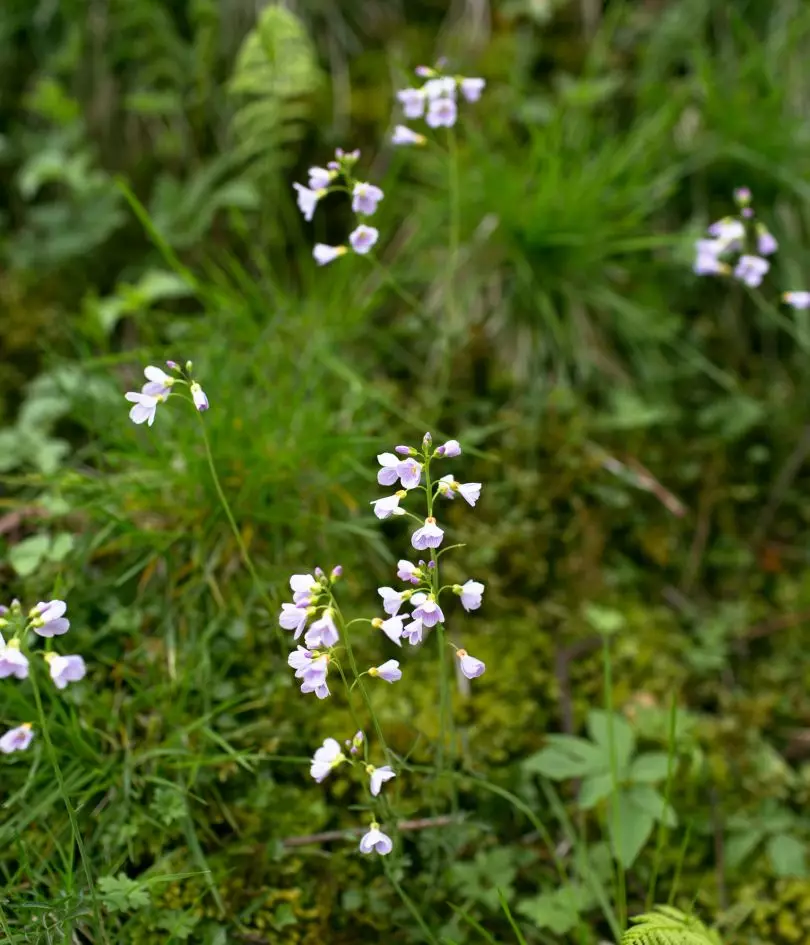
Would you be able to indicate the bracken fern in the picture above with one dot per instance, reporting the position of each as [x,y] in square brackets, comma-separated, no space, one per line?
[666,925]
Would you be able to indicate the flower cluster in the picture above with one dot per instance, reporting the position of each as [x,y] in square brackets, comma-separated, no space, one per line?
[411,613]
[47,619]
[338,176]
[158,389]
[435,101]
[737,245]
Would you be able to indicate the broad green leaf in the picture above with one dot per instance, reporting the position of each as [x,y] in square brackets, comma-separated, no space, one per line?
[594,789]
[155,285]
[61,546]
[740,845]
[566,757]
[787,854]
[630,828]
[647,799]
[26,556]
[558,911]
[624,741]
[603,619]
[649,768]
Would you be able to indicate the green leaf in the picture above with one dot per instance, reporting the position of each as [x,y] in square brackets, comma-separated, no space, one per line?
[61,546]
[787,854]
[624,741]
[630,828]
[559,911]
[566,757]
[156,285]
[666,925]
[603,619]
[122,894]
[647,799]
[649,768]
[26,556]
[740,846]
[594,789]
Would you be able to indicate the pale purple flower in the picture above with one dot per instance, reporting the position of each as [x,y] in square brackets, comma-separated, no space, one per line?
[742,195]
[307,200]
[766,241]
[392,600]
[375,841]
[751,269]
[388,505]
[47,618]
[18,739]
[388,475]
[405,450]
[327,757]
[406,571]
[303,587]
[365,198]
[413,632]
[472,88]
[378,777]
[412,101]
[707,260]
[404,135]
[729,232]
[198,396]
[428,536]
[145,406]
[159,382]
[300,660]
[324,254]
[66,669]
[470,593]
[449,450]
[389,671]
[323,631]
[798,300]
[363,238]
[12,661]
[424,72]
[470,666]
[409,472]
[443,87]
[445,486]
[469,491]
[311,668]
[320,178]
[293,617]
[392,628]
[441,113]
[427,610]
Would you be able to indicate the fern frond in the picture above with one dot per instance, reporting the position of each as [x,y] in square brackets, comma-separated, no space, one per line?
[275,76]
[669,926]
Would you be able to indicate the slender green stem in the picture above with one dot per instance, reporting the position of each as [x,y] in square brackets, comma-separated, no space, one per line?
[614,776]
[407,297]
[662,827]
[74,823]
[410,905]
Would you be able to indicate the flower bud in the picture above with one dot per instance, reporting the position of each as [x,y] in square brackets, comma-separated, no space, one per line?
[189,367]
[172,365]
[337,573]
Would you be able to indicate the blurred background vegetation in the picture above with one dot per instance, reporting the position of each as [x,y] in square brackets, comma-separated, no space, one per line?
[641,432]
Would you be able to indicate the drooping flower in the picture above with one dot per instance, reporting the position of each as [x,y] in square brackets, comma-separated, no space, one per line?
[145,406]
[293,617]
[388,505]
[363,238]
[392,600]
[311,668]
[413,632]
[198,396]
[766,241]
[320,178]
[307,200]
[406,571]
[65,669]
[392,628]
[798,300]
[323,631]
[365,198]
[449,450]
[324,254]
[325,759]
[389,671]
[469,491]
[470,666]
[47,618]
[159,382]
[378,776]
[412,101]
[428,536]
[751,270]
[427,610]
[409,472]
[13,662]
[18,739]
[443,87]
[471,88]
[403,135]
[375,841]
[441,113]
[470,593]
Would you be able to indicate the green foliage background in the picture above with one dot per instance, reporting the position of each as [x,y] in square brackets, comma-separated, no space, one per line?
[606,141]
